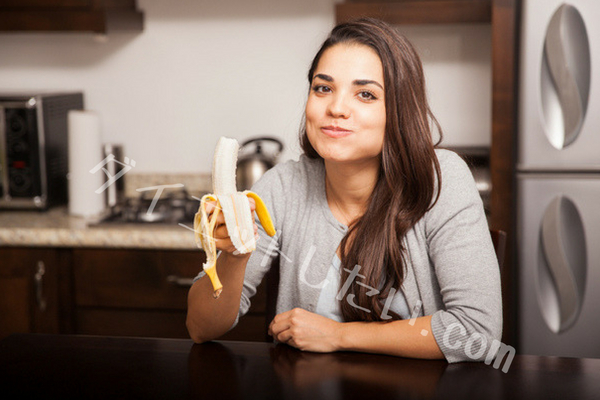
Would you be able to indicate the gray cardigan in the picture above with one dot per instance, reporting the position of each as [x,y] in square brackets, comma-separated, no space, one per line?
[452,270]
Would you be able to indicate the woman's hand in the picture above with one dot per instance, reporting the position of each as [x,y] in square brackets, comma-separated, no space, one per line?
[306,331]
[222,240]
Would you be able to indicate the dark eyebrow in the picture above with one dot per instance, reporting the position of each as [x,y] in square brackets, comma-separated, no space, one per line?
[324,77]
[357,82]
[363,82]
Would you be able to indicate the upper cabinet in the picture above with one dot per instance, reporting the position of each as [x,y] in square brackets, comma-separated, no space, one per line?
[98,16]
[417,11]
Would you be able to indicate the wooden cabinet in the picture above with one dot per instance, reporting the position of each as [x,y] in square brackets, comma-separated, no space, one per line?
[144,293]
[107,292]
[29,290]
[97,16]
[417,11]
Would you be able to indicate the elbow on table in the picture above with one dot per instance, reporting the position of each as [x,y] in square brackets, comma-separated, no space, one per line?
[194,332]
[489,343]
[494,342]
[477,347]
[197,339]
[462,340]
[199,335]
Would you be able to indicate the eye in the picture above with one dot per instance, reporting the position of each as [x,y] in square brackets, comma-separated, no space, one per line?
[366,95]
[321,88]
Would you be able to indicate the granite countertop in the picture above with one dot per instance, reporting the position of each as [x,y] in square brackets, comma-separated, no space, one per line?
[56,228]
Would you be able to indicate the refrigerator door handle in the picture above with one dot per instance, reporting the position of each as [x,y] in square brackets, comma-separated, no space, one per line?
[563,245]
[565,76]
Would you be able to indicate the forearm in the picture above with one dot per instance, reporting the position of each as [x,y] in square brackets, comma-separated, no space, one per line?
[398,338]
[207,317]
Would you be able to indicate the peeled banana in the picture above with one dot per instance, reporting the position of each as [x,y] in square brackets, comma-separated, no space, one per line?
[236,210]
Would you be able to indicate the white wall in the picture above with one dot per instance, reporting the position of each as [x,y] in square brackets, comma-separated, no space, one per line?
[457,63]
[202,69]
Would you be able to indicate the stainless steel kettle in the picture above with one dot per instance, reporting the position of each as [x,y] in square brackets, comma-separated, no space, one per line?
[253,161]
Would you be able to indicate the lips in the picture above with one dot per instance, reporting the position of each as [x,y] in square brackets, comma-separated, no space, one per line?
[335,131]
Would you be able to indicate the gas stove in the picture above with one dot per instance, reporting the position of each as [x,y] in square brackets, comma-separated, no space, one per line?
[171,207]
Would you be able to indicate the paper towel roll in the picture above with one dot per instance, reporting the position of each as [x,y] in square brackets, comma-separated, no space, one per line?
[85,153]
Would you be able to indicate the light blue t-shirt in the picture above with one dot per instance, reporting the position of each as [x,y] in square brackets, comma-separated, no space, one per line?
[328,306]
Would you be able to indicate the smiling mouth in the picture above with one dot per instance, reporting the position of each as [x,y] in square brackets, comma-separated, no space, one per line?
[337,129]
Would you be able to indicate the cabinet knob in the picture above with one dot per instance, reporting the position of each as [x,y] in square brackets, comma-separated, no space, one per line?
[39,286]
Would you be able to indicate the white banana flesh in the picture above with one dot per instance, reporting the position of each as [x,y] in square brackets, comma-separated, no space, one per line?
[235,208]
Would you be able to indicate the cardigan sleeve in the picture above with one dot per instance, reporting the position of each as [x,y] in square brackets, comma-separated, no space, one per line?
[466,267]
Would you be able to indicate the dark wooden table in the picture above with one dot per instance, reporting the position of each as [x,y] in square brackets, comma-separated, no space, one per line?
[89,367]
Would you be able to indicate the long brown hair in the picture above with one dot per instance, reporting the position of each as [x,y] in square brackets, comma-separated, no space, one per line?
[406,184]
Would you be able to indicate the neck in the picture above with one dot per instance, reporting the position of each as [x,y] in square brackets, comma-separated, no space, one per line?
[349,186]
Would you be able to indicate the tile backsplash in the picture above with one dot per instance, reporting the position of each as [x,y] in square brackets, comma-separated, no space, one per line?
[195,184]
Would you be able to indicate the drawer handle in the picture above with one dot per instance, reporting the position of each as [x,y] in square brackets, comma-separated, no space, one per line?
[39,286]
[180,281]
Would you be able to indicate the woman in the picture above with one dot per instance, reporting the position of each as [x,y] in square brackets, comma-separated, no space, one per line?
[383,242]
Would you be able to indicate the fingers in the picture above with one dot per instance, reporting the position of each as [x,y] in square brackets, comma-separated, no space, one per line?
[252,203]
[220,233]
[210,205]
[280,332]
[281,323]
[284,327]
[285,337]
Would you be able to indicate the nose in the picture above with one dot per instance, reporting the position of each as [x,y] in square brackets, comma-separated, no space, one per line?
[338,107]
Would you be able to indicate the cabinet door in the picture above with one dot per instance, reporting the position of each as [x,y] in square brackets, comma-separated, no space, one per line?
[97,16]
[131,292]
[144,293]
[134,279]
[28,291]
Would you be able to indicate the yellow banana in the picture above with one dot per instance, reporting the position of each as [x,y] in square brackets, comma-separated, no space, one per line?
[236,210]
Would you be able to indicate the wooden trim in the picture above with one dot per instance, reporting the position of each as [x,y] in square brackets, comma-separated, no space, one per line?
[90,21]
[409,1]
[505,14]
[81,4]
[98,16]
[104,4]
[499,240]
[68,4]
[418,12]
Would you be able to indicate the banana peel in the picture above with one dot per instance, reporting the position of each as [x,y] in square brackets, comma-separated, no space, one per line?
[235,207]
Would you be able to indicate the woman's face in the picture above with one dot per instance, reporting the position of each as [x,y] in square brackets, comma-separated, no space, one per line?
[345,111]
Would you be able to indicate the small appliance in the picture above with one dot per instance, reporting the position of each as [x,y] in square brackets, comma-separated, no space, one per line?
[33,148]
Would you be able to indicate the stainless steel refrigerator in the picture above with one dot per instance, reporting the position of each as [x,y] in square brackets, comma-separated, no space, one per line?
[558,179]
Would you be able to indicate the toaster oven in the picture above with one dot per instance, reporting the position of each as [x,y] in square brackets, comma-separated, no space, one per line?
[34,148]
